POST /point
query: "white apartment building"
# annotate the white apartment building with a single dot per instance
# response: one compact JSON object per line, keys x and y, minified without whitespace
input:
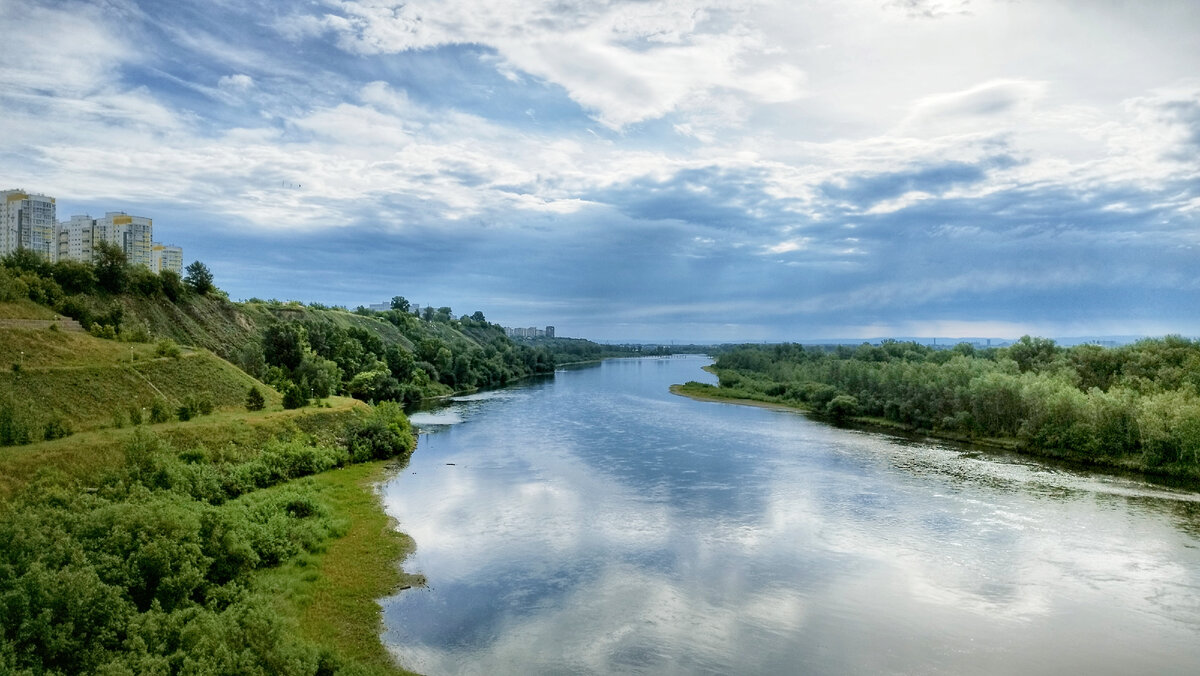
{"x":27,"y":221}
{"x":75,"y":239}
{"x":133,"y":234}
{"x":166,"y":257}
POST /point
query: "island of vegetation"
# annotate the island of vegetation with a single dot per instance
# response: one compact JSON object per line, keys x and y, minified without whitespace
{"x":1134,"y":407}
{"x":187,"y":484}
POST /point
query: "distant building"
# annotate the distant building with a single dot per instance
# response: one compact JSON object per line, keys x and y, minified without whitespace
{"x":28,"y":221}
{"x":529,"y":332}
{"x":379,"y":307}
{"x":133,"y":234}
{"x":166,"y":257}
{"x":75,"y":239}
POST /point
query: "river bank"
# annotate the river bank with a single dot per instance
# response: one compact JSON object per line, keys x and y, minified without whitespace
{"x":332,"y":596}
{"x":1176,"y":475}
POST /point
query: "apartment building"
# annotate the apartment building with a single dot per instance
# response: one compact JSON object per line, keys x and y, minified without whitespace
{"x":28,"y":221}
{"x":166,"y":257}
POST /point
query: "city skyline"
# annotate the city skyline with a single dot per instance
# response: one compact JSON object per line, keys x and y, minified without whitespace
{"x":694,"y":170}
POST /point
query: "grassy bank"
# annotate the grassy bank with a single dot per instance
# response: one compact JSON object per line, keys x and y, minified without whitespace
{"x":331,"y":596}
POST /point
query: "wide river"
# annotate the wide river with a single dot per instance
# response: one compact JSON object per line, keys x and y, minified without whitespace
{"x":593,"y":523}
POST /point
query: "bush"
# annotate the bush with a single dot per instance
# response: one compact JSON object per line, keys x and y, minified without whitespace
{"x":56,"y":428}
{"x":103,"y":331}
{"x":293,"y":396}
{"x":254,"y":399}
{"x":841,"y":407}
{"x":167,"y":348}
{"x":384,"y":433}
{"x":159,"y":412}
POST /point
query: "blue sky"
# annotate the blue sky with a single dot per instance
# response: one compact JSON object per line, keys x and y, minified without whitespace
{"x":704,"y":170}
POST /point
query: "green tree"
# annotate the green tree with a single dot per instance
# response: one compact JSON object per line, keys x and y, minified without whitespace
{"x":284,"y":344}
{"x":112,"y":270}
{"x":172,"y":285}
{"x":199,"y":278}
{"x":322,"y":375}
{"x":400,"y":303}
{"x":254,"y":399}
{"x":294,"y":396}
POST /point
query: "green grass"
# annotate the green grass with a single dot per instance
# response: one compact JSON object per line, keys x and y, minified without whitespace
{"x":85,"y":456}
{"x":92,"y":382}
{"x":331,"y":595}
{"x":25,"y":309}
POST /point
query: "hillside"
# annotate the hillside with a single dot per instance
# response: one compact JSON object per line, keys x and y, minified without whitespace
{"x":247,"y":541}
{"x":87,"y":382}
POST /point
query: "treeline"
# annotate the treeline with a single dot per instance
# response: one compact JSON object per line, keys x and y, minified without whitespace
{"x":149,"y":569}
{"x":86,"y":292}
{"x":316,"y":357}
{"x":1136,"y":405}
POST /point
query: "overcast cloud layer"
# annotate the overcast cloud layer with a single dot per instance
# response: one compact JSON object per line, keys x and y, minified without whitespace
{"x":685,"y":169}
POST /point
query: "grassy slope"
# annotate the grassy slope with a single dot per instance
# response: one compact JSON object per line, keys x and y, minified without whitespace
{"x":224,"y":327}
{"x":85,"y":455}
{"x":25,"y":309}
{"x":88,"y":380}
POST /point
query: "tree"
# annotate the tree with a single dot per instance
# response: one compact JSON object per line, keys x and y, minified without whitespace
{"x":284,"y":344}
{"x":478,"y":316}
{"x":199,"y":278}
{"x":841,"y":407}
{"x":400,"y":303}
{"x":254,"y":399}
{"x":293,"y":396}
{"x":112,"y":270}
{"x":172,"y":285}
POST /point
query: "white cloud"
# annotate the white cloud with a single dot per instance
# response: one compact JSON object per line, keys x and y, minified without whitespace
{"x":626,"y":62}
{"x":238,"y":82}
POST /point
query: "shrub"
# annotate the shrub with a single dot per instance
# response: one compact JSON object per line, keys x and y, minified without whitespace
{"x":254,"y":399}
{"x":103,"y":331}
{"x":167,"y":348}
{"x":135,"y":415}
{"x":841,"y":407}
{"x":384,"y":433}
{"x":159,"y":413}
{"x":56,"y":428}
{"x":293,"y":396}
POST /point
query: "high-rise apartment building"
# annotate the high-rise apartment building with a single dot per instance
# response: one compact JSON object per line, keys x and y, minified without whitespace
{"x":166,"y":257}
{"x":27,"y":221}
{"x":132,"y":233}
{"x":75,"y":239}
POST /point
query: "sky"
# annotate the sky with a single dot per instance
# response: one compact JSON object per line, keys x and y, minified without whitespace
{"x":687,"y":170}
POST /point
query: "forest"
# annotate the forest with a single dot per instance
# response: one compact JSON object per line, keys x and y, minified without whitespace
{"x":1135,"y":406}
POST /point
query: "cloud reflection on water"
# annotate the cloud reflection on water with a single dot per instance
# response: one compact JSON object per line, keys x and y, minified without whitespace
{"x":609,"y":532}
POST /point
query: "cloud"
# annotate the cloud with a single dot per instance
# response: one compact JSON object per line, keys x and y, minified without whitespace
{"x":238,"y":82}
{"x":997,"y":102}
{"x":626,"y":62}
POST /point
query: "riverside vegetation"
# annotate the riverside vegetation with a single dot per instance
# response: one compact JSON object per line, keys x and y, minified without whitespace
{"x":1135,"y":406}
{"x":164,"y":511}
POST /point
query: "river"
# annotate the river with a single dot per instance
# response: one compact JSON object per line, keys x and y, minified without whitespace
{"x":594,"y":523}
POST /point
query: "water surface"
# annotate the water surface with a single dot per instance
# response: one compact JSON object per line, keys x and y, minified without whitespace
{"x":595,"y":523}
